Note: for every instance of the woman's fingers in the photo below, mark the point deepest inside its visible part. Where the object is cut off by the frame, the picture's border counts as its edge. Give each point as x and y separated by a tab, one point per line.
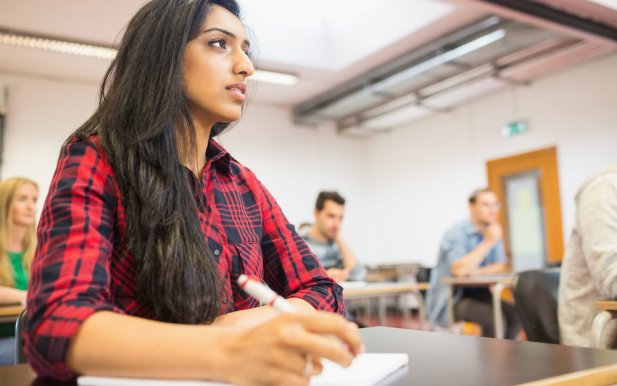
329	324
273	365
317	366
322	335
287	349
322	347
291	360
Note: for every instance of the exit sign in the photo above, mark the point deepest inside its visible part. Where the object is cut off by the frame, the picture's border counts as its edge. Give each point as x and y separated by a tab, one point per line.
514	128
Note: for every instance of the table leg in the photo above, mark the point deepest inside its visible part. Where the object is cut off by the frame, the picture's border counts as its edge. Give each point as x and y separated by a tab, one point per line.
497	314
421	309
597	328
450	308
405	309
382	310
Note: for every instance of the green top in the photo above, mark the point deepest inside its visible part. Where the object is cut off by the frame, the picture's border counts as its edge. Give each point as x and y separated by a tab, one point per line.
19	273
21	282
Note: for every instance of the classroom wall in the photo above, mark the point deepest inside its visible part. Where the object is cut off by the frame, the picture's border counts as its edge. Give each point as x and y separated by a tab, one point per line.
293	162
420	175
41	113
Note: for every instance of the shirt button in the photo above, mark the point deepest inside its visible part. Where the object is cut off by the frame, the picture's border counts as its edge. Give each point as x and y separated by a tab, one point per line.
217	252
225	301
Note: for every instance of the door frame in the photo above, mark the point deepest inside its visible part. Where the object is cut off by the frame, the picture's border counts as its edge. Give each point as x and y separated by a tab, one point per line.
545	162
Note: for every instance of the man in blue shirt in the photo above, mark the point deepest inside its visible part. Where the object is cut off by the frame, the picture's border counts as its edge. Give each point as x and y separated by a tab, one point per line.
469	248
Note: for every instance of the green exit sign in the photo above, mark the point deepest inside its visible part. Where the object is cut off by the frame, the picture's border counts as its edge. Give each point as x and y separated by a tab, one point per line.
514	128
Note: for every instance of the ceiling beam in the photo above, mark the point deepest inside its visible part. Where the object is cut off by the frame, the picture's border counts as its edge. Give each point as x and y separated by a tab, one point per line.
542	11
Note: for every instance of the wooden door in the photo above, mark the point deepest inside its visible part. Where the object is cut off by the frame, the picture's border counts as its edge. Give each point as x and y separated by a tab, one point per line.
528	188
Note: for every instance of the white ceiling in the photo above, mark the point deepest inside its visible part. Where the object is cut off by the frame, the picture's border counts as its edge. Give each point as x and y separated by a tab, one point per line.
325	42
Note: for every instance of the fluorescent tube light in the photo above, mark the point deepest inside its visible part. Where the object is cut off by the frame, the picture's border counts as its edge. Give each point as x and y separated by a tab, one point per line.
447	56
61	46
108	53
275	77
399	108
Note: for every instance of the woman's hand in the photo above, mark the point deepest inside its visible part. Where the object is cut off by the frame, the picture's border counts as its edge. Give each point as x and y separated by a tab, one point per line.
9	295
276	352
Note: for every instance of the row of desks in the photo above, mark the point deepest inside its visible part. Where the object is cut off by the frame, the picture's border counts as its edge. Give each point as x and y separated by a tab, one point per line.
381	291
353	291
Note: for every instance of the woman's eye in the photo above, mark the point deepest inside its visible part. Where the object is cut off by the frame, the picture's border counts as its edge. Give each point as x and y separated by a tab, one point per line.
219	43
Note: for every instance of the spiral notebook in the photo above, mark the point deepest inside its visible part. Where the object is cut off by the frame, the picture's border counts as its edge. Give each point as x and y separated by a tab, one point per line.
366	370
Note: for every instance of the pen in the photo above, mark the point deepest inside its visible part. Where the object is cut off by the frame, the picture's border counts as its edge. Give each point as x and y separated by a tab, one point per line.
264	294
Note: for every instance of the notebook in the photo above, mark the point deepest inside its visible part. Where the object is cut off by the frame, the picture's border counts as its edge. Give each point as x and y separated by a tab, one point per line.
366	370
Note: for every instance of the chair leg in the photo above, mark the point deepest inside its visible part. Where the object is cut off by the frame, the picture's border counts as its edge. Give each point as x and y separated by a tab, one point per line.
597	328
20	356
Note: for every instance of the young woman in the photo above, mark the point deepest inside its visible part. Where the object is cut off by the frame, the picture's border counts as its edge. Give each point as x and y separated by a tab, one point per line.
149	222
18	198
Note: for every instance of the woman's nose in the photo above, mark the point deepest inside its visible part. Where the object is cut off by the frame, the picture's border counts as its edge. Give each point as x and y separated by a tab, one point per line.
244	65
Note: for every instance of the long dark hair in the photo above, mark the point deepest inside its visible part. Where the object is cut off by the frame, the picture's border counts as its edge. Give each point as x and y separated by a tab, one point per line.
145	129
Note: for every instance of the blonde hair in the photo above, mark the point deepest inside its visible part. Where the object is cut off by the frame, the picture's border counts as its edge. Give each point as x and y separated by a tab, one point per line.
8	188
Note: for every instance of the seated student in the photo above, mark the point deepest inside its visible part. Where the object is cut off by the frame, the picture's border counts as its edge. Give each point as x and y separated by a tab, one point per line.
472	247
589	268
149	222
18	198
325	241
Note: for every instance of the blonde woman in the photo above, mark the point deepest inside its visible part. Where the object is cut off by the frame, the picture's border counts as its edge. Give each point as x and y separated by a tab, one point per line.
18	198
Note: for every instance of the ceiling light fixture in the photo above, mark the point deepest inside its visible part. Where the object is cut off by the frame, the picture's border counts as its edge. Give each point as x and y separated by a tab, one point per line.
436	77
55	45
275	77
108	53
440	59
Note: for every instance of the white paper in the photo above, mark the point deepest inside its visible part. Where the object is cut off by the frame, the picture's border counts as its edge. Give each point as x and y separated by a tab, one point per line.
366	370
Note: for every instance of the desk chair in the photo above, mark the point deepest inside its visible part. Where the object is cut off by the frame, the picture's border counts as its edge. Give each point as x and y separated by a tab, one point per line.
20	324
535	302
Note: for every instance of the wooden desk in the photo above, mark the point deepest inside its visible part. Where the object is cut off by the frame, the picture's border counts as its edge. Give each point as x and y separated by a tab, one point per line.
384	289
608	312
604	375
9	313
444	359
392	272
495	283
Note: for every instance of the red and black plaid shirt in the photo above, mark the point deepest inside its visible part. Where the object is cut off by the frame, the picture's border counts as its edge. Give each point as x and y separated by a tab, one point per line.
80	266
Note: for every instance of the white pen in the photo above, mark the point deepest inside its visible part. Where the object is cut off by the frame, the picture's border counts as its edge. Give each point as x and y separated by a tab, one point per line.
264	294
